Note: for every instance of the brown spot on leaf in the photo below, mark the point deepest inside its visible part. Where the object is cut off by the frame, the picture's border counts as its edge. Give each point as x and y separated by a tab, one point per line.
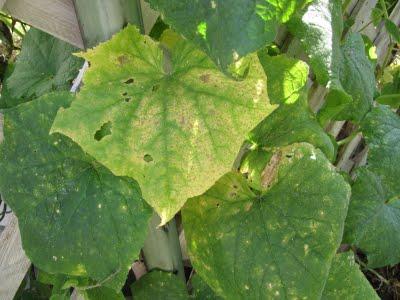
122	60
270	171
205	78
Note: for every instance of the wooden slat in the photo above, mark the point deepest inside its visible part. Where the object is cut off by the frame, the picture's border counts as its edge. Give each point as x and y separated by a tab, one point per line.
56	17
149	16
382	39
13	262
2	3
100	19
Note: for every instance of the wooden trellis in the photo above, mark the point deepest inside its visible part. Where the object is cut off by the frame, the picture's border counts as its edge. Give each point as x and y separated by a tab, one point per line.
84	23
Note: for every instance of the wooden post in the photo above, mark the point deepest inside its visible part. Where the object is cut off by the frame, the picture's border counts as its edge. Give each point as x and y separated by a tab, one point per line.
100	19
162	248
13	262
56	17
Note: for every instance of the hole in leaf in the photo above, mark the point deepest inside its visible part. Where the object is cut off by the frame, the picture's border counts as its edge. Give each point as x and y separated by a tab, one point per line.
148	158
104	130
130	81
289	155
155	87
128	99
235	186
217	204
124	93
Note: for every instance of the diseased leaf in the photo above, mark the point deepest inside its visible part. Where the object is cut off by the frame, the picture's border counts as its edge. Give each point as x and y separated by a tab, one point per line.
345	70
175	131
373	219
346	281
227	29
273	245
159	285
253	165
45	64
71	210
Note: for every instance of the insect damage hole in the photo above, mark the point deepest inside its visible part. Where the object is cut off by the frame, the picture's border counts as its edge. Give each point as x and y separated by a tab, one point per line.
129	81
148	158
104	130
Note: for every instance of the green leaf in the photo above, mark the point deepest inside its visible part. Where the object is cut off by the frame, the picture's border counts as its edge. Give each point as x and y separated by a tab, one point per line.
373	219
277	244
390	92
71	210
201	290
5	92
102	293
319	30
345	70
293	123
45	64
376	16
393	30
175	131
159	285
286	77
227	29
346	281
393	100
358	81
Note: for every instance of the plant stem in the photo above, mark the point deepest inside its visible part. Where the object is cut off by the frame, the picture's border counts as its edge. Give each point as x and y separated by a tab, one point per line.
365	267
347	139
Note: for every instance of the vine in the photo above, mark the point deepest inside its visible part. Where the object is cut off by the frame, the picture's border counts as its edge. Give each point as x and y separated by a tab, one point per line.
207	119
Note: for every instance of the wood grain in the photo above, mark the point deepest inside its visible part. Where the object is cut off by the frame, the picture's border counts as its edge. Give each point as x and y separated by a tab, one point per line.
149	16
56	17
2	3
13	262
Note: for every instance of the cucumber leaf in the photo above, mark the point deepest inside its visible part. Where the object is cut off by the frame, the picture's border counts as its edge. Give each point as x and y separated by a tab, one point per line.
175	130
346	281
71	209
292	121
345	70
280	243
287	77
393	30
227	29
45	64
201	291
373	219
159	285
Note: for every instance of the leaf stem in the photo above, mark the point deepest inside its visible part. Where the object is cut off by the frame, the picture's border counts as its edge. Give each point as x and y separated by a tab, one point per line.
365	267
347	139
